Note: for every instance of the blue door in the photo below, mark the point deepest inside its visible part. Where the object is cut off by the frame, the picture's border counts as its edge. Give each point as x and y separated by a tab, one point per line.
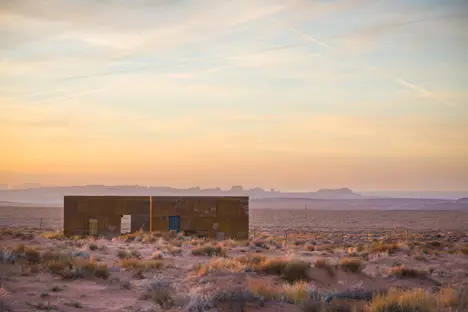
174	223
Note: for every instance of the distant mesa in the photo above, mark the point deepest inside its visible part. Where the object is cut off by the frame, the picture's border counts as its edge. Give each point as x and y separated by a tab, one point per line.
340	193
54	195
463	200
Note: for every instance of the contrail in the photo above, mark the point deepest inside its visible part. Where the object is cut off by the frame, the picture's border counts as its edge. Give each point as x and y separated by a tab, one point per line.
303	34
402	82
423	91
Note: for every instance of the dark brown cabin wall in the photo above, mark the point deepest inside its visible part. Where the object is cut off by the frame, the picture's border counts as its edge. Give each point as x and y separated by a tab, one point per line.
212	215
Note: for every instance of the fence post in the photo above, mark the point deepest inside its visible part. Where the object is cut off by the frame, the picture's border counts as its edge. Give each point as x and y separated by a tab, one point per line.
407	235
40	225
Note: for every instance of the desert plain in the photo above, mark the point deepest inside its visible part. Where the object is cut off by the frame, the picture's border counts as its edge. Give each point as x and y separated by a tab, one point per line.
294	260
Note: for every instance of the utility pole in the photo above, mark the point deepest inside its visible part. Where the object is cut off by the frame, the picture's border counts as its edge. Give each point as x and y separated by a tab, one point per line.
151	213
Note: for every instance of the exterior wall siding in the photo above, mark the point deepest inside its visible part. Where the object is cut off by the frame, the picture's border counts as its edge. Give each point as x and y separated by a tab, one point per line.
215	217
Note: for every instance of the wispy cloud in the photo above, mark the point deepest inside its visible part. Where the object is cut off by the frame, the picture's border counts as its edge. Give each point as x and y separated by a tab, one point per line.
418	89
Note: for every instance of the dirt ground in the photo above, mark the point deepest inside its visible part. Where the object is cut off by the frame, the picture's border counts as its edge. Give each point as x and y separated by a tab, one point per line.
180	279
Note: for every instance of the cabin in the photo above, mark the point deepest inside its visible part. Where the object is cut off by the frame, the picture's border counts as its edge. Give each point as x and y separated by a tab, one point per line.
110	216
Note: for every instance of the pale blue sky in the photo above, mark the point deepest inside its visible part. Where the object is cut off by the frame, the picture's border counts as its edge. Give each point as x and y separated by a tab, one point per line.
86	87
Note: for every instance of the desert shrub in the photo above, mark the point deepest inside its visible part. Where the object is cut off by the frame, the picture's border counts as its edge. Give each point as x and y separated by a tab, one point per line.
125	284
296	293
170	235
93	247
324	264
122	254
101	271
300	242
157	255
53	235
273	266
143	265
231	265
403	272
464	250
296	270
350	264
23	235
251	259
310	247
265	289
174	250
135	254
175	242
91	268
209	250
46	306
434	244
127	237
74	304
56	289
160	292
32	255
382	247
57	266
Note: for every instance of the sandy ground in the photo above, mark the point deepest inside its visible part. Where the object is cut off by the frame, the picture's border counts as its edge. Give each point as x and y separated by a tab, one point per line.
33	287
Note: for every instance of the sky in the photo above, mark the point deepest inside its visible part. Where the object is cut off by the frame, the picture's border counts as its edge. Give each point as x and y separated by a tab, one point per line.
295	95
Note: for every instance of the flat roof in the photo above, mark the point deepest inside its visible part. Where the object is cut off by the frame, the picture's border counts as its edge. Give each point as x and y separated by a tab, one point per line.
156	197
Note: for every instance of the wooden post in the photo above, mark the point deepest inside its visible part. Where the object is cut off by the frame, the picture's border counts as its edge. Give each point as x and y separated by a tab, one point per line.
40	225
407	235
151	213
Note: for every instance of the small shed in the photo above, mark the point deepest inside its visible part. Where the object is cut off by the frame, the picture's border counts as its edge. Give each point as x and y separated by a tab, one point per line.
211	216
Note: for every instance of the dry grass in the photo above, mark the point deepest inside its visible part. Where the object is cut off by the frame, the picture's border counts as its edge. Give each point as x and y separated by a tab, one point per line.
142	265
296	293
351	264
396	301
209	250
403	272
231	265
